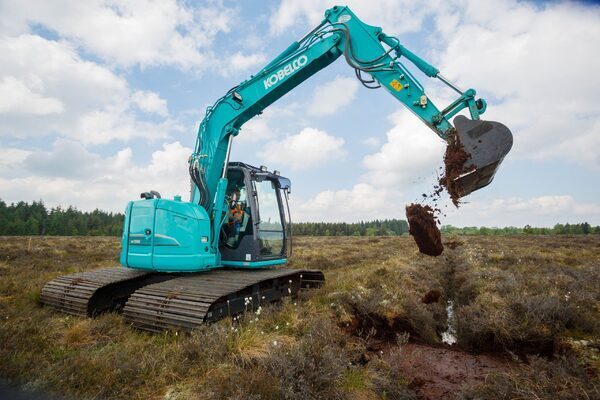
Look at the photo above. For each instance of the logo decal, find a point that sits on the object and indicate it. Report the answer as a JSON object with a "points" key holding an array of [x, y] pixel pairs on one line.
{"points": [[286, 71]]}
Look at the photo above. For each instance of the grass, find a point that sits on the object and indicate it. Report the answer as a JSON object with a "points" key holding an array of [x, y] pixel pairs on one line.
{"points": [[526, 294], [523, 295]]}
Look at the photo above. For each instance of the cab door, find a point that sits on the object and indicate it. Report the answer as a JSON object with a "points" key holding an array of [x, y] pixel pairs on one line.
{"points": [[270, 227]]}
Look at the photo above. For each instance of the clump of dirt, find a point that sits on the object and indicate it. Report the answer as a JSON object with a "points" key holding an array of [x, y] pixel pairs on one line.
{"points": [[454, 162], [423, 228], [433, 296]]}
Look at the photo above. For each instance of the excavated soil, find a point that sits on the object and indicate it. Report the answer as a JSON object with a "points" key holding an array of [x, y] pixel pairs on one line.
{"points": [[440, 373], [422, 219], [423, 228], [454, 162]]}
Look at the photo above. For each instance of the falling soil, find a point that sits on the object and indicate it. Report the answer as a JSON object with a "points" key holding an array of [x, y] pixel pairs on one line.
{"points": [[454, 162], [422, 219], [439, 373], [423, 228]]}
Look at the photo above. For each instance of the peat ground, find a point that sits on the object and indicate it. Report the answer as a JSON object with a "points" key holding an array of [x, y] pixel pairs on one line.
{"points": [[525, 314]]}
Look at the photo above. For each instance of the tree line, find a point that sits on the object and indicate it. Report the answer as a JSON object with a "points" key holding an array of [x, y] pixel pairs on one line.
{"points": [[386, 227], [36, 219], [583, 228]]}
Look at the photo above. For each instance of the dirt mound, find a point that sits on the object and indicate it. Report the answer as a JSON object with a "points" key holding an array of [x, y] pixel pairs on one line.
{"points": [[423, 228], [454, 162]]}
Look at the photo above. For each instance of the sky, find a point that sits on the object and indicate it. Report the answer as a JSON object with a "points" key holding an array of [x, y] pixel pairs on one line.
{"points": [[101, 100]]}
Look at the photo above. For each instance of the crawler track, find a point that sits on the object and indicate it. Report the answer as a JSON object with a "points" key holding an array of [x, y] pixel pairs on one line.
{"points": [[155, 302], [90, 293], [186, 302]]}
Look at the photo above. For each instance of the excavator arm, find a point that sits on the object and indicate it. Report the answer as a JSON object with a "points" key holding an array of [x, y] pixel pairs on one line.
{"points": [[378, 60]]}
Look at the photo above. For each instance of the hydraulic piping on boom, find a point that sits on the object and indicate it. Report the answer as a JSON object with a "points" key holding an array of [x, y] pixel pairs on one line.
{"points": [[238, 215]]}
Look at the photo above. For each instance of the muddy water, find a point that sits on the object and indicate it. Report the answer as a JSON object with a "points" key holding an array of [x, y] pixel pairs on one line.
{"points": [[449, 336]]}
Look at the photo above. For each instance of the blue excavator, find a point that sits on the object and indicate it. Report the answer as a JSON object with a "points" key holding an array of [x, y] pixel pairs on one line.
{"points": [[223, 252]]}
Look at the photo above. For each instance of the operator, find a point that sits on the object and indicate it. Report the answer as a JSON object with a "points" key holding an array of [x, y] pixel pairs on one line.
{"points": [[236, 214]]}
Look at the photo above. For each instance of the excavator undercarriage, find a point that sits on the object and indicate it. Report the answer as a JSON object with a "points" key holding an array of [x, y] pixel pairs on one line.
{"points": [[157, 301]]}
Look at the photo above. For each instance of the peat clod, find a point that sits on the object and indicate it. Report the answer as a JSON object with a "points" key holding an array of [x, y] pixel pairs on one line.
{"points": [[423, 228], [454, 163], [432, 296], [374, 326]]}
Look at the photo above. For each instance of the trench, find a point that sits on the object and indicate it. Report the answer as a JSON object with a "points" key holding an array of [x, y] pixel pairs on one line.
{"points": [[485, 343], [449, 335]]}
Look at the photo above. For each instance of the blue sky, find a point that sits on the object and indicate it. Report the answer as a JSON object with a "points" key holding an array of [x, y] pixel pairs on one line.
{"points": [[101, 100]]}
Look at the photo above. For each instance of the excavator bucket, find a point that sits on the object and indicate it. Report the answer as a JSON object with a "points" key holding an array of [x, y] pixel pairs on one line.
{"points": [[487, 143]]}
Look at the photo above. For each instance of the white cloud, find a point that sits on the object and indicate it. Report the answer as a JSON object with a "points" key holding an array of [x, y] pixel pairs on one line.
{"points": [[69, 174], [67, 159], [127, 33], [542, 81], [59, 92], [150, 102], [11, 159], [256, 130], [329, 98], [362, 202], [395, 16], [267, 125], [371, 141], [20, 99], [412, 151], [239, 61], [519, 211], [307, 149]]}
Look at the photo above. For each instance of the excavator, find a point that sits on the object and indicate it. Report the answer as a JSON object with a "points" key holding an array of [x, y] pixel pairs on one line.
{"points": [[223, 252]]}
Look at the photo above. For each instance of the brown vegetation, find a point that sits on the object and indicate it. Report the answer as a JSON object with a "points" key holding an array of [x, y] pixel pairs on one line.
{"points": [[514, 297]]}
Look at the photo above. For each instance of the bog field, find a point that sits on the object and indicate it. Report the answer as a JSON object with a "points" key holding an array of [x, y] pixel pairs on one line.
{"points": [[494, 317]]}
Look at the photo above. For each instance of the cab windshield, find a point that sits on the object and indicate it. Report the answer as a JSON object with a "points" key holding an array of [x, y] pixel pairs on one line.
{"points": [[270, 226]]}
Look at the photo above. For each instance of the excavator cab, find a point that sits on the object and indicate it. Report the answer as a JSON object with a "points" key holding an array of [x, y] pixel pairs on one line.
{"points": [[256, 231], [486, 143]]}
